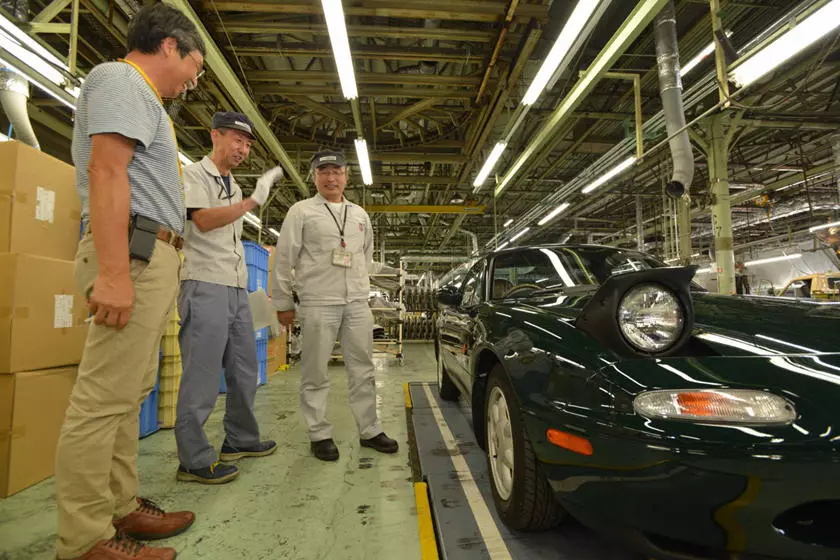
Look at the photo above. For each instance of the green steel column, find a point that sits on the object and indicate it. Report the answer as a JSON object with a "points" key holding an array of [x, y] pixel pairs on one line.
{"points": [[721, 209]]}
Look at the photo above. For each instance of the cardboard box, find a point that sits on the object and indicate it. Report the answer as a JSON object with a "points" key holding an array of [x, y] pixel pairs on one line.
{"points": [[42, 318], [32, 407], [39, 207]]}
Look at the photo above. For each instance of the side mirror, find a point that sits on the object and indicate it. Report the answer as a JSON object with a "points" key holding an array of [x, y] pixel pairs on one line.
{"points": [[449, 295]]}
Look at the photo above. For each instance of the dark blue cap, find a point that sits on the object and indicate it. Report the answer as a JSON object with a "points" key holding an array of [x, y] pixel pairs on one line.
{"points": [[233, 120], [328, 157]]}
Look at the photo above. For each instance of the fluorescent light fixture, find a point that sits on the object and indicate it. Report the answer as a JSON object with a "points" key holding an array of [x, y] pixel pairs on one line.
{"points": [[507, 223], [185, 160], [773, 259], [334, 14], [786, 46], [573, 27], [29, 52], [3, 137], [253, 220], [364, 160], [503, 245], [553, 214], [274, 231], [824, 226], [609, 175], [707, 50], [488, 166], [520, 234]]}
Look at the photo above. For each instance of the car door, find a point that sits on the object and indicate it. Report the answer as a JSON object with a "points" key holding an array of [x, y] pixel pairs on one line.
{"points": [[449, 345], [463, 323]]}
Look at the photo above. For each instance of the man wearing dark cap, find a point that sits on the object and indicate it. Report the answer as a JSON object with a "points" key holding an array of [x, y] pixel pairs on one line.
{"points": [[216, 325], [324, 247]]}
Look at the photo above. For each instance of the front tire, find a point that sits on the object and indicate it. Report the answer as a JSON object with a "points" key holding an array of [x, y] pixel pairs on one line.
{"points": [[521, 492], [447, 389]]}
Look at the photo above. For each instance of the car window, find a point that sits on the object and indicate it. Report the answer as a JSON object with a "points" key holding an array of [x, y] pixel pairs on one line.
{"points": [[473, 286], [535, 269]]}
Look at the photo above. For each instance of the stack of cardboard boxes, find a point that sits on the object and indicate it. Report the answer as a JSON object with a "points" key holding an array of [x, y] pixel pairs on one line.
{"points": [[42, 315]]}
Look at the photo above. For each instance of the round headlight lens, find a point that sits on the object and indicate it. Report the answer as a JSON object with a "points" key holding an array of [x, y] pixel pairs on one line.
{"points": [[650, 318]]}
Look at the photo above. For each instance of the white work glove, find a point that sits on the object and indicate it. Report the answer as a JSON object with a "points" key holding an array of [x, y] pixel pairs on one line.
{"points": [[264, 184]]}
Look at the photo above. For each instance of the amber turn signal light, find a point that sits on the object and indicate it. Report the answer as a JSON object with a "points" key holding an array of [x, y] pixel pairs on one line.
{"points": [[569, 441]]}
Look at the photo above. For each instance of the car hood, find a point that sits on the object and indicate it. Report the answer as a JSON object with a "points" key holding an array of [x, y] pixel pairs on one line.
{"points": [[732, 325]]}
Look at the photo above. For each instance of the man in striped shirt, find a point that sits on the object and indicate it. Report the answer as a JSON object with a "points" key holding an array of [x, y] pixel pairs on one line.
{"points": [[127, 265]]}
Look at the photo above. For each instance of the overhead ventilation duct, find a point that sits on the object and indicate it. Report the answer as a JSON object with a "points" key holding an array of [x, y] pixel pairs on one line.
{"points": [[14, 88], [474, 238], [670, 90]]}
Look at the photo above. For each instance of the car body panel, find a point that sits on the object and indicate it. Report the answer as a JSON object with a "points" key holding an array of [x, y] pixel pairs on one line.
{"points": [[713, 486]]}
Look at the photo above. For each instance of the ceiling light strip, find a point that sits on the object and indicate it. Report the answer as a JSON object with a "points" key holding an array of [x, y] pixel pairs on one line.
{"points": [[334, 14]]}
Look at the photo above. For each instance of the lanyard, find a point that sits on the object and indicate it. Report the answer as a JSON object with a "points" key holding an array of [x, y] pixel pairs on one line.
{"points": [[340, 227]]}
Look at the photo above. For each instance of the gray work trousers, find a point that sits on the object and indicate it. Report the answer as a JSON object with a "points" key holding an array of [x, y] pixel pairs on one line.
{"points": [[216, 330], [352, 324]]}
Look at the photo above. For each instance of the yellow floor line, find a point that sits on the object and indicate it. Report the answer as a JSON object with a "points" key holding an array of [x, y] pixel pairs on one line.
{"points": [[408, 404], [428, 544]]}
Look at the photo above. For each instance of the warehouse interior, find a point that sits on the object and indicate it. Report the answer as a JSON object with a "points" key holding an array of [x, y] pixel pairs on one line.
{"points": [[705, 133]]}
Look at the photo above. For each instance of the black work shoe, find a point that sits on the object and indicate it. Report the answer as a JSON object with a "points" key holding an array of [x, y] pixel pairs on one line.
{"points": [[217, 473], [381, 443], [231, 453], [325, 450]]}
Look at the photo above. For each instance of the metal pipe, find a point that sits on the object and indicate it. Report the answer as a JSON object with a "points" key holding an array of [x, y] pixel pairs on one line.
{"points": [[670, 90], [474, 239], [14, 94]]}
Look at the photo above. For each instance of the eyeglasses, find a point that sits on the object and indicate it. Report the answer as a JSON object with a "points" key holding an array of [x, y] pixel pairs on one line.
{"points": [[192, 84], [330, 172]]}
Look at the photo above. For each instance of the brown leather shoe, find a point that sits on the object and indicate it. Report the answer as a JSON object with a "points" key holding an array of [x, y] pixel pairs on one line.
{"points": [[123, 547], [151, 523]]}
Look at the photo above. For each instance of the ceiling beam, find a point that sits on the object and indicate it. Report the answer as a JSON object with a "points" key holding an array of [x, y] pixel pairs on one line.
{"points": [[414, 180], [255, 76], [50, 11], [216, 61], [410, 110], [322, 109], [423, 209], [369, 91], [489, 11], [381, 31], [359, 52]]}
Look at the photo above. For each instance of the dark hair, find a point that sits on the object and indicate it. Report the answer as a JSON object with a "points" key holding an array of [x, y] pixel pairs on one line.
{"points": [[154, 23]]}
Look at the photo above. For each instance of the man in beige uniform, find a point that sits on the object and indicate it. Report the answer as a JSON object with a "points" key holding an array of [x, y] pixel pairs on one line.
{"points": [[328, 242]]}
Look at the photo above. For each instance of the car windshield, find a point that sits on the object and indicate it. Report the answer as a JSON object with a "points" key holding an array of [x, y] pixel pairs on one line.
{"points": [[563, 268]]}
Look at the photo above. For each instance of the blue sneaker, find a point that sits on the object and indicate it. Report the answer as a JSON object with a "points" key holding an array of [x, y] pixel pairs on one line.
{"points": [[217, 473], [262, 449]]}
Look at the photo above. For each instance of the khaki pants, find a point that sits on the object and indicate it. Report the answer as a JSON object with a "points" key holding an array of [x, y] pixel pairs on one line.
{"points": [[96, 462]]}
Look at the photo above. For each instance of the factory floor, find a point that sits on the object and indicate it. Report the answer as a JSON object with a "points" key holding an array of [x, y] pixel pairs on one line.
{"points": [[288, 505]]}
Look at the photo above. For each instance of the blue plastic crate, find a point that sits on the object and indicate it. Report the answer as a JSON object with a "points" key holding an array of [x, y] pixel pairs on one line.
{"points": [[222, 384], [262, 377], [256, 255], [262, 350], [261, 334], [256, 260], [149, 414], [257, 278]]}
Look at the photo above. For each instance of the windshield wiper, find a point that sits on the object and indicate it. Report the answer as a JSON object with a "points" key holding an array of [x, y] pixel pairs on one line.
{"points": [[568, 290]]}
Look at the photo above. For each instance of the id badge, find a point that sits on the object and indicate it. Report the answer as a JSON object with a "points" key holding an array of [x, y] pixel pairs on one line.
{"points": [[342, 258]]}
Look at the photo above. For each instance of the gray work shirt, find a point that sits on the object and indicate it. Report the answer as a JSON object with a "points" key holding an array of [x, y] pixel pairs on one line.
{"points": [[307, 239], [216, 256], [116, 99]]}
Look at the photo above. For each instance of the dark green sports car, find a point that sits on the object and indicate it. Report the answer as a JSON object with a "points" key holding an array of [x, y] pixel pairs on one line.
{"points": [[606, 386]]}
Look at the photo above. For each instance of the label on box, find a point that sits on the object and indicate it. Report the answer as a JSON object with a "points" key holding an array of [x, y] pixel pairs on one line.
{"points": [[45, 205], [63, 312]]}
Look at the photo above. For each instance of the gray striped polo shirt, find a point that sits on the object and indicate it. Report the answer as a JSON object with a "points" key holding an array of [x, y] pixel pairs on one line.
{"points": [[115, 98]]}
